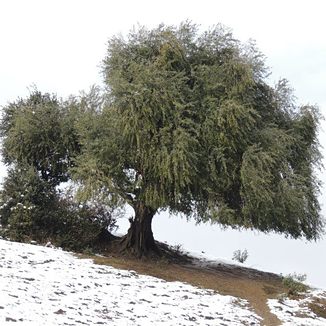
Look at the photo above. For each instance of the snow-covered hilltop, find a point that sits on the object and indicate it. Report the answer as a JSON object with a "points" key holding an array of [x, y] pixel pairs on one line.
{"points": [[45, 286]]}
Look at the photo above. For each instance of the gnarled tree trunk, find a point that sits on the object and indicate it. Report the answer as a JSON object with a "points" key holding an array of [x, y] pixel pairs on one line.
{"points": [[139, 240]]}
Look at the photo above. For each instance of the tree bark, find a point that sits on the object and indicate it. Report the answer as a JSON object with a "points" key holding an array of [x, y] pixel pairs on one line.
{"points": [[139, 240]]}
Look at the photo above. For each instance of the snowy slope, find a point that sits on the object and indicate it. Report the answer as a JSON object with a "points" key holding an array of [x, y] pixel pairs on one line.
{"points": [[297, 312], [44, 286]]}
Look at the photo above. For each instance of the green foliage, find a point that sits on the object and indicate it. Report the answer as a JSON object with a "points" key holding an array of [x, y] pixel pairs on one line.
{"points": [[82, 226], [27, 204], [86, 223], [32, 209], [39, 142], [294, 283], [39, 132], [188, 123]]}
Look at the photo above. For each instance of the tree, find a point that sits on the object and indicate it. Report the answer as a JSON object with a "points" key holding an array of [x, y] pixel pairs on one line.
{"points": [[188, 123], [39, 142], [39, 132]]}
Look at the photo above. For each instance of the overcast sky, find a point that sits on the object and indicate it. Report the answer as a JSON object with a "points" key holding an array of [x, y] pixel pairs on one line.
{"points": [[58, 46]]}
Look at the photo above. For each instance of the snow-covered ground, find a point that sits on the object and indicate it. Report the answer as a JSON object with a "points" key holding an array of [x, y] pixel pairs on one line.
{"points": [[297, 312], [45, 286]]}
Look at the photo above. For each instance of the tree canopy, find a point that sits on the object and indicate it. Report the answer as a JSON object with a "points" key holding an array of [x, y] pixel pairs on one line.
{"points": [[189, 123], [39, 131], [39, 142]]}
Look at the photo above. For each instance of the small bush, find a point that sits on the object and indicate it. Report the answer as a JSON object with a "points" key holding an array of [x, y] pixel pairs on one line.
{"points": [[82, 225], [178, 248], [240, 256], [88, 251], [293, 282], [31, 208]]}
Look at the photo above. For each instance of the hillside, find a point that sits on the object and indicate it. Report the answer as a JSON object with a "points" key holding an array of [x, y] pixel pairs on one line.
{"points": [[40, 285]]}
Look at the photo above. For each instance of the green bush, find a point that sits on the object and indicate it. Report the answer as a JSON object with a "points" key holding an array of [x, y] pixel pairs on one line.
{"points": [[83, 226], [293, 282], [32, 209], [28, 204]]}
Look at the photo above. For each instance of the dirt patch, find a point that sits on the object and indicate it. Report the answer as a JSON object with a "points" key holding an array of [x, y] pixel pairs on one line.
{"points": [[318, 307], [250, 284]]}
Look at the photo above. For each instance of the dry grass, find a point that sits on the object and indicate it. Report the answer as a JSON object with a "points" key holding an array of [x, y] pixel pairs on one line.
{"points": [[246, 283], [318, 307], [249, 284]]}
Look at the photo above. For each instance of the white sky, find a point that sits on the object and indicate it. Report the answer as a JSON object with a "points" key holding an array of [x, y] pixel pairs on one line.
{"points": [[58, 46]]}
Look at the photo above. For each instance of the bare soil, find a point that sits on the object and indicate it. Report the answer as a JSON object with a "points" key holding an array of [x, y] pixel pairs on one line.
{"points": [[250, 284]]}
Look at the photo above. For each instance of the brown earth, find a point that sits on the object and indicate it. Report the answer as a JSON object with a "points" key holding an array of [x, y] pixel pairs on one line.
{"points": [[250, 284]]}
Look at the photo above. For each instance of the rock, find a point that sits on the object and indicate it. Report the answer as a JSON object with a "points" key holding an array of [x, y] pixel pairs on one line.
{"points": [[33, 242], [49, 244]]}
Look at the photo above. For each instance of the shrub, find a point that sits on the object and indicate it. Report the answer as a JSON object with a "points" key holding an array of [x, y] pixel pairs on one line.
{"points": [[240, 256], [83, 226], [293, 282], [28, 204], [31, 208]]}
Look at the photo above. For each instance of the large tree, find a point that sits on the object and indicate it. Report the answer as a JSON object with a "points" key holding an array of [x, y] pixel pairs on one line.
{"points": [[190, 124]]}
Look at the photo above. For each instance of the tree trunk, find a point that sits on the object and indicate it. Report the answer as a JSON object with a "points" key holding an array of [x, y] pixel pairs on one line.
{"points": [[139, 240]]}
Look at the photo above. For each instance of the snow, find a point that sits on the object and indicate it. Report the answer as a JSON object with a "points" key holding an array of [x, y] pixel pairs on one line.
{"points": [[202, 259], [46, 286], [296, 312]]}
